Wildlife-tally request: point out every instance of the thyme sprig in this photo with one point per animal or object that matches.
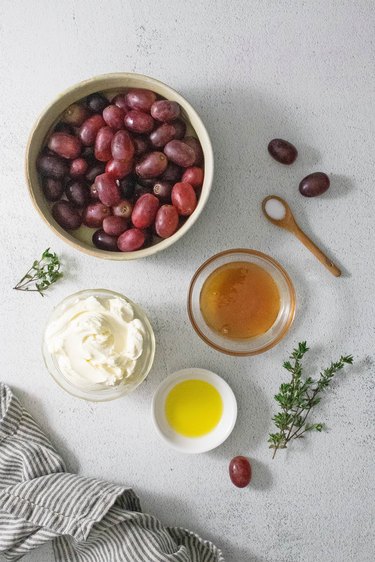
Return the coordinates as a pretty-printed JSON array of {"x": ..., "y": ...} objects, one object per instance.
[
  {"x": 43, "y": 273},
  {"x": 297, "y": 398}
]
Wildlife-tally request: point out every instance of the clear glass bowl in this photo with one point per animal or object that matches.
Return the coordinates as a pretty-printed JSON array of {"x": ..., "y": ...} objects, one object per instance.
[
  {"x": 249, "y": 346},
  {"x": 93, "y": 393}
]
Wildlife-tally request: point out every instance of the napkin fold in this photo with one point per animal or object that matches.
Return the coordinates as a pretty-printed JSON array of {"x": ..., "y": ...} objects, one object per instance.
[{"x": 88, "y": 520}]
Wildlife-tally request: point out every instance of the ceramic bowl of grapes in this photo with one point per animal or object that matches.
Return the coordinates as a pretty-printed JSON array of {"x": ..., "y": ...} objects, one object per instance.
[{"x": 119, "y": 166}]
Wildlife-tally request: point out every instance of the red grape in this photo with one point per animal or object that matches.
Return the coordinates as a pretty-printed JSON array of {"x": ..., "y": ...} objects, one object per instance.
[
  {"x": 163, "y": 134},
  {"x": 114, "y": 116},
  {"x": 145, "y": 210},
  {"x": 166, "y": 221},
  {"x": 131, "y": 240},
  {"x": 89, "y": 129},
  {"x": 94, "y": 214},
  {"x": 196, "y": 146},
  {"x": 108, "y": 190},
  {"x": 114, "y": 226},
  {"x": 139, "y": 122},
  {"x": 78, "y": 167},
  {"x": 184, "y": 198},
  {"x": 152, "y": 165},
  {"x": 120, "y": 101},
  {"x": 66, "y": 215},
  {"x": 65, "y": 145},
  {"x": 96, "y": 102},
  {"x": 194, "y": 176},
  {"x": 94, "y": 192},
  {"x": 103, "y": 144},
  {"x": 104, "y": 241},
  {"x": 52, "y": 189},
  {"x": 75, "y": 114},
  {"x": 163, "y": 190},
  {"x": 118, "y": 169},
  {"x": 165, "y": 110},
  {"x": 180, "y": 153},
  {"x": 240, "y": 471},
  {"x": 123, "y": 209},
  {"x": 78, "y": 192},
  {"x": 52, "y": 166},
  {"x": 138, "y": 98},
  {"x": 122, "y": 146}
]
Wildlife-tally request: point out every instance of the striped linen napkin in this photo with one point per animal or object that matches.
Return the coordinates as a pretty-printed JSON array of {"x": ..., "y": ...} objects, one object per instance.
[{"x": 88, "y": 520}]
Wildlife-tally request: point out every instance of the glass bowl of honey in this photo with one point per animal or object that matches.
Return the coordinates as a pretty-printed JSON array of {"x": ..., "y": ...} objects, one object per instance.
[{"x": 241, "y": 302}]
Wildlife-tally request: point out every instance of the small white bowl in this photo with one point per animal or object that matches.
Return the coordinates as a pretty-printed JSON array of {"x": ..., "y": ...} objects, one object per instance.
[{"x": 195, "y": 444}]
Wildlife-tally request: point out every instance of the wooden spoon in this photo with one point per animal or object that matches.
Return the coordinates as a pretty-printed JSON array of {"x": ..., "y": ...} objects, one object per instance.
[{"x": 288, "y": 222}]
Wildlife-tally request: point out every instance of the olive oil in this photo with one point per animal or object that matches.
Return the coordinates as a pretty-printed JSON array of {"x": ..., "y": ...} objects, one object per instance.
[
  {"x": 240, "y": 300},
  {"x": 193, "y": 408}
]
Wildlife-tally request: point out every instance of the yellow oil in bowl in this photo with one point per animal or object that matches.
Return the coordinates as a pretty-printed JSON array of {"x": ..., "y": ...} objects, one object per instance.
[{"x": 193, "y": 408}]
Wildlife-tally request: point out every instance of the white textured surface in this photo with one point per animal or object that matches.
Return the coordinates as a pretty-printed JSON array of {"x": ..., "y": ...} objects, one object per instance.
[{"x": 254, "y": 70}]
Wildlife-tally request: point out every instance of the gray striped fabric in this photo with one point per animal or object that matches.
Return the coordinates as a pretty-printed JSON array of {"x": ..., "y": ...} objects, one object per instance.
[{"x": 88, "y": 520}]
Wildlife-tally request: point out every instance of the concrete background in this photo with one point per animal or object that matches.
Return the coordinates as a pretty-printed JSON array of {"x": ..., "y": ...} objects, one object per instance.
[{"x": 302, "y": 70}]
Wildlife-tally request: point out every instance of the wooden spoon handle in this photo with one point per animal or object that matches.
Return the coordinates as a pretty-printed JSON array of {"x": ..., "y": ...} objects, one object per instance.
[{"x": 316, "y": 251}]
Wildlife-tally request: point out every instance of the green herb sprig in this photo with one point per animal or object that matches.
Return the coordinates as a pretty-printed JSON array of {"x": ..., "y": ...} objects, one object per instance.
[
  {"x": 297, "y": 398},
  {"x": 42, "y": 274}
]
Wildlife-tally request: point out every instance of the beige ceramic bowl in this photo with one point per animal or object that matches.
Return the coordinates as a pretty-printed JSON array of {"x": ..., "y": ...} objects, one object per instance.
[{"x": 111, "y": 84}]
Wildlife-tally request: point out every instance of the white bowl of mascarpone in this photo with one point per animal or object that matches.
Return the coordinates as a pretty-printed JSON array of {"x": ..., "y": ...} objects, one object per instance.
[{"x": 98, "y": 345}]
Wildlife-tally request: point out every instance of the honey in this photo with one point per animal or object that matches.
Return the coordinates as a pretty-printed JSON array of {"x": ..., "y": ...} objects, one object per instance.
[
  {"x": 240, "y": 300},
  {"x": 193, "y": 408}
]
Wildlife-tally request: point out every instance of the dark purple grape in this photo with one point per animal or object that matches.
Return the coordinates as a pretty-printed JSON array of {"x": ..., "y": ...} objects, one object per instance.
[
  {"x": 96, "y": 102},
  {"x": 88, "y": 153},
  {"x": 127, "y": 186},
  {"x": 52, "y": 189},
  {"x": 180, "y": 128},
  {"x": 282, "y": 151},
  {"x": 78, "y": 192},
  {"x": 172, "y": 173},
  {"x": 147, "y": 182},
  {"x": 180, "y": 153},
  {"x": 138, "y": 98},
  {"x": 104, "y": 241},
  {"x": 75, "y": 115},
  {"x": 314, "y": 184},
  {"x": 94, "y": 196},
  {"x": 94, "y": 214},
  {"x": 63, "y": 128},
  {"x": 152, "y": 164},
  {"x": 141, "y": 144},
  {"x": 139, "y": 122},
  {"x": 163, "y": 190},
  {"x": 165, "y": 110},
  {"x": 52, "y": 166},
  {"x": 66, "y": 215},
  {"x": 141, "y": 190},
  {"x": 95, "y": 170}
]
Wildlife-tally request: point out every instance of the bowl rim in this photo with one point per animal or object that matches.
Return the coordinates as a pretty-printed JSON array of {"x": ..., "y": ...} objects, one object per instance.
[
  {"x": 291, "y": 290},
  {"x": 78, "y": 392},
  {"x": 195, "y": 373},
  {"x": 66, "y": 236}
]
